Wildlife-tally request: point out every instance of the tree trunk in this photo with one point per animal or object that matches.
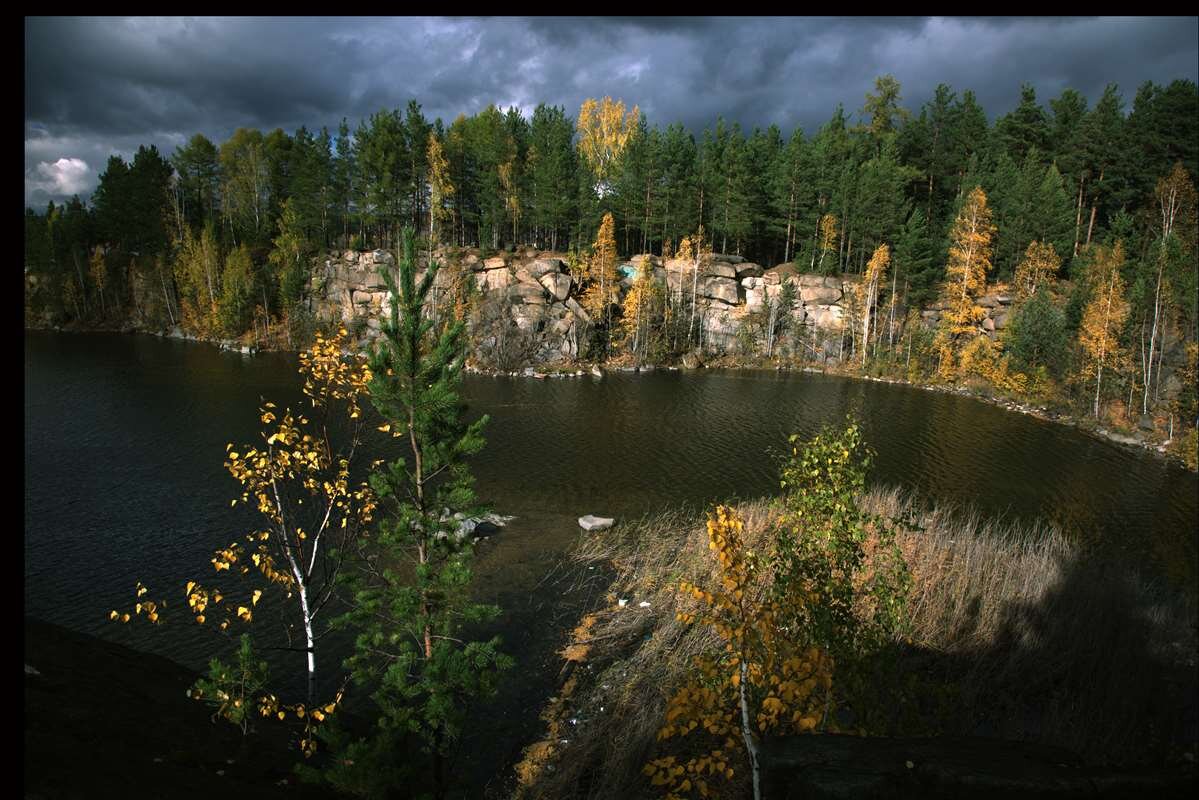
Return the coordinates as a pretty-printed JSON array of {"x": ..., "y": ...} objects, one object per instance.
[
  {"x": 747, "y": 733},
  {"x": 1078, "y": 215}
]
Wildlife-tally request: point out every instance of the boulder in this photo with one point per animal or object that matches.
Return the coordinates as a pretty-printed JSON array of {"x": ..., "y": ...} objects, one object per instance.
[
  {"x": 826, "y": 316},
  {"x": 720, "y": 288},
  {"x": 1000, "y": 319},
  {"x": 754, "y": 298},
  {"x": 752, "y": 282},
  {"x": 988, "y": 325},
  {"x": 727, "y": 258},
  {"x": 719, "y": 269},
  {"x": 361, "y": 298},
  {"x": 577, "y": 310},
  {"x": 350, "y": 257},
  {"x": 810, "y": 281},
  {"x": 527, "y": 293},
  {"x": 527, "y": 317},
  {"x": 496, "y": 262},
  {"x": 591, "y": 522},
  {"x": 556, "y": 284},
  {"x": 493, "y": 279},
  {"x": 819, "y": 295},
  {"x": 749, "y": 270},
  {"x": 693, "y": 360},
  {"x": 470, "y": 259},
  {"x": 373, "y": 280},
  {"x": 988, "y": 301},
  {"x": 544, "y": 266},
  {"x": 1145, "y": 423}
]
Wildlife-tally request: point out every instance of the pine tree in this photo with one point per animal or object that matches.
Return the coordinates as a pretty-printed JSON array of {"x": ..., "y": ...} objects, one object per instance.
[{"x": 410, "y": 644}]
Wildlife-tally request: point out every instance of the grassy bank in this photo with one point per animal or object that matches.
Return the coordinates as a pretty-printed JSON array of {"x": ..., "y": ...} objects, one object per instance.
[{"x": 1013, "y": 634}]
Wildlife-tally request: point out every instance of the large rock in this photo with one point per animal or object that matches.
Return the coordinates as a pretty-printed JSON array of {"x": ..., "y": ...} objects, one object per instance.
[
  {"x": 826, "y": 316},
  {"x": 819, "y": 295},
  {"x": 361, "y": 298},
  {"x": 1000, "y": 319},
  {"x": 754, "y": 298},
  {"x": 591, "y": 522},
  {"x": 527, "y": 293},
  {"x": 527, "y": 317},
  {"x": 544, "y": 266},
  {"x": 496, "y": 262},
  {"x": 719, "y": 288},
  {"x": 556, "y": 284},
  {"x": 693, "y": 360},
  {"x": 727, "y": 258},
  {"x": 492, "y": 279},
  {"x": 988, "y": 301},
  {"x": 719, "y": 269},
  {"x": 810, "y": 281},
  {"x": 373, "y": 280},
  {"x": 748, "y": 270},
  {"x": 577, "y": 310}
]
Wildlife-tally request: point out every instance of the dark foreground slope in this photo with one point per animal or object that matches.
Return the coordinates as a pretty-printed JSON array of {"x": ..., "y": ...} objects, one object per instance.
[{"x": 102, "y": 720}]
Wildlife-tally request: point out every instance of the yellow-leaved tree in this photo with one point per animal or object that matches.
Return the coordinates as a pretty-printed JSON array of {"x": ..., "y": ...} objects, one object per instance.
[
  {"x": 602, "y": 292},
  {"x": 828, "y": 238},
  {"x": 298, "y": 479},
  {"x": 876, "y": 271},
  {"x": 642, "y": 305},
  {"x": 441, "y": 189},
  {"x": 812, "y": 611},
  {"x": 761, "y": 681},
  {"x": 1039, "y": 267},
  {"x": 1104, "y": 317},
  {"x": 966, "y": 277},
  {"x": 605, "y": 131}
]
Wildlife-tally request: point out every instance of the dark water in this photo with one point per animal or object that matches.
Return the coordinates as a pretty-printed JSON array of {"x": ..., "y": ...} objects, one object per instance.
[{"x": 125, "y": 437}]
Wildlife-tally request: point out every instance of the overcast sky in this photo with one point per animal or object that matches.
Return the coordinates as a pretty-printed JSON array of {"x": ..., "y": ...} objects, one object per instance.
[{"x": 97, "y": 87}]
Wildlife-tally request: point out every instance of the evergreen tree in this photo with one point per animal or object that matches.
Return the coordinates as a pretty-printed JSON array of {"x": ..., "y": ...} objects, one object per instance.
[
  {"x": 411, "y": 646},
  {"x": 1024, "y": 128},
  {"x": 914, "y": 261}
]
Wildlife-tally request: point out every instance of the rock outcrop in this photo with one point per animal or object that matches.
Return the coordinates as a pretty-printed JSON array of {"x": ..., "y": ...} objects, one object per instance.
[{"x": 529, "y": 313}]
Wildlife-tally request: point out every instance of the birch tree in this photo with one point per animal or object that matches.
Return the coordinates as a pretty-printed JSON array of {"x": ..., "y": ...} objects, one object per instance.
[{"x": 1104, "y": 317}]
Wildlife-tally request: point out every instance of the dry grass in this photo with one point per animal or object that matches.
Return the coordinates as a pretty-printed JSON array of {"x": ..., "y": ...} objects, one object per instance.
[{"x": 1012, "y": 635}]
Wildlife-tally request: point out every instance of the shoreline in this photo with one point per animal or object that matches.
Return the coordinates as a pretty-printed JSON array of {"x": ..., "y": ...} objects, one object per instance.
[{"x": 593, "y": 369}]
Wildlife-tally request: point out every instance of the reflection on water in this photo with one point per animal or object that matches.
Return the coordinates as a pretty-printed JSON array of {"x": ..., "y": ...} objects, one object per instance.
[{"x": 125, "y": 436}]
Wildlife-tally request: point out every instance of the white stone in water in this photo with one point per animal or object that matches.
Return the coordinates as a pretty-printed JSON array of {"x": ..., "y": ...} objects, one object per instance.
[{"x": 594, "y": 523}]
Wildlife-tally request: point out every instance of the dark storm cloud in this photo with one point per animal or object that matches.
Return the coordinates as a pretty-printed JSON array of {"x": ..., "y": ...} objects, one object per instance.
[{"x": 96, "y": 87}]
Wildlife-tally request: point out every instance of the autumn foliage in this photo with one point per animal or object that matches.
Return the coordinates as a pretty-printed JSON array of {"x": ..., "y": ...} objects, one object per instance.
[{"x": 814, "y": 609}]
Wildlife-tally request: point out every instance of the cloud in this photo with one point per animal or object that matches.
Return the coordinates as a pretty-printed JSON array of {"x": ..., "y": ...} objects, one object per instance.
[
  {"x": 66, "y": 176},
  {"x": 92, "y": 84}
]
